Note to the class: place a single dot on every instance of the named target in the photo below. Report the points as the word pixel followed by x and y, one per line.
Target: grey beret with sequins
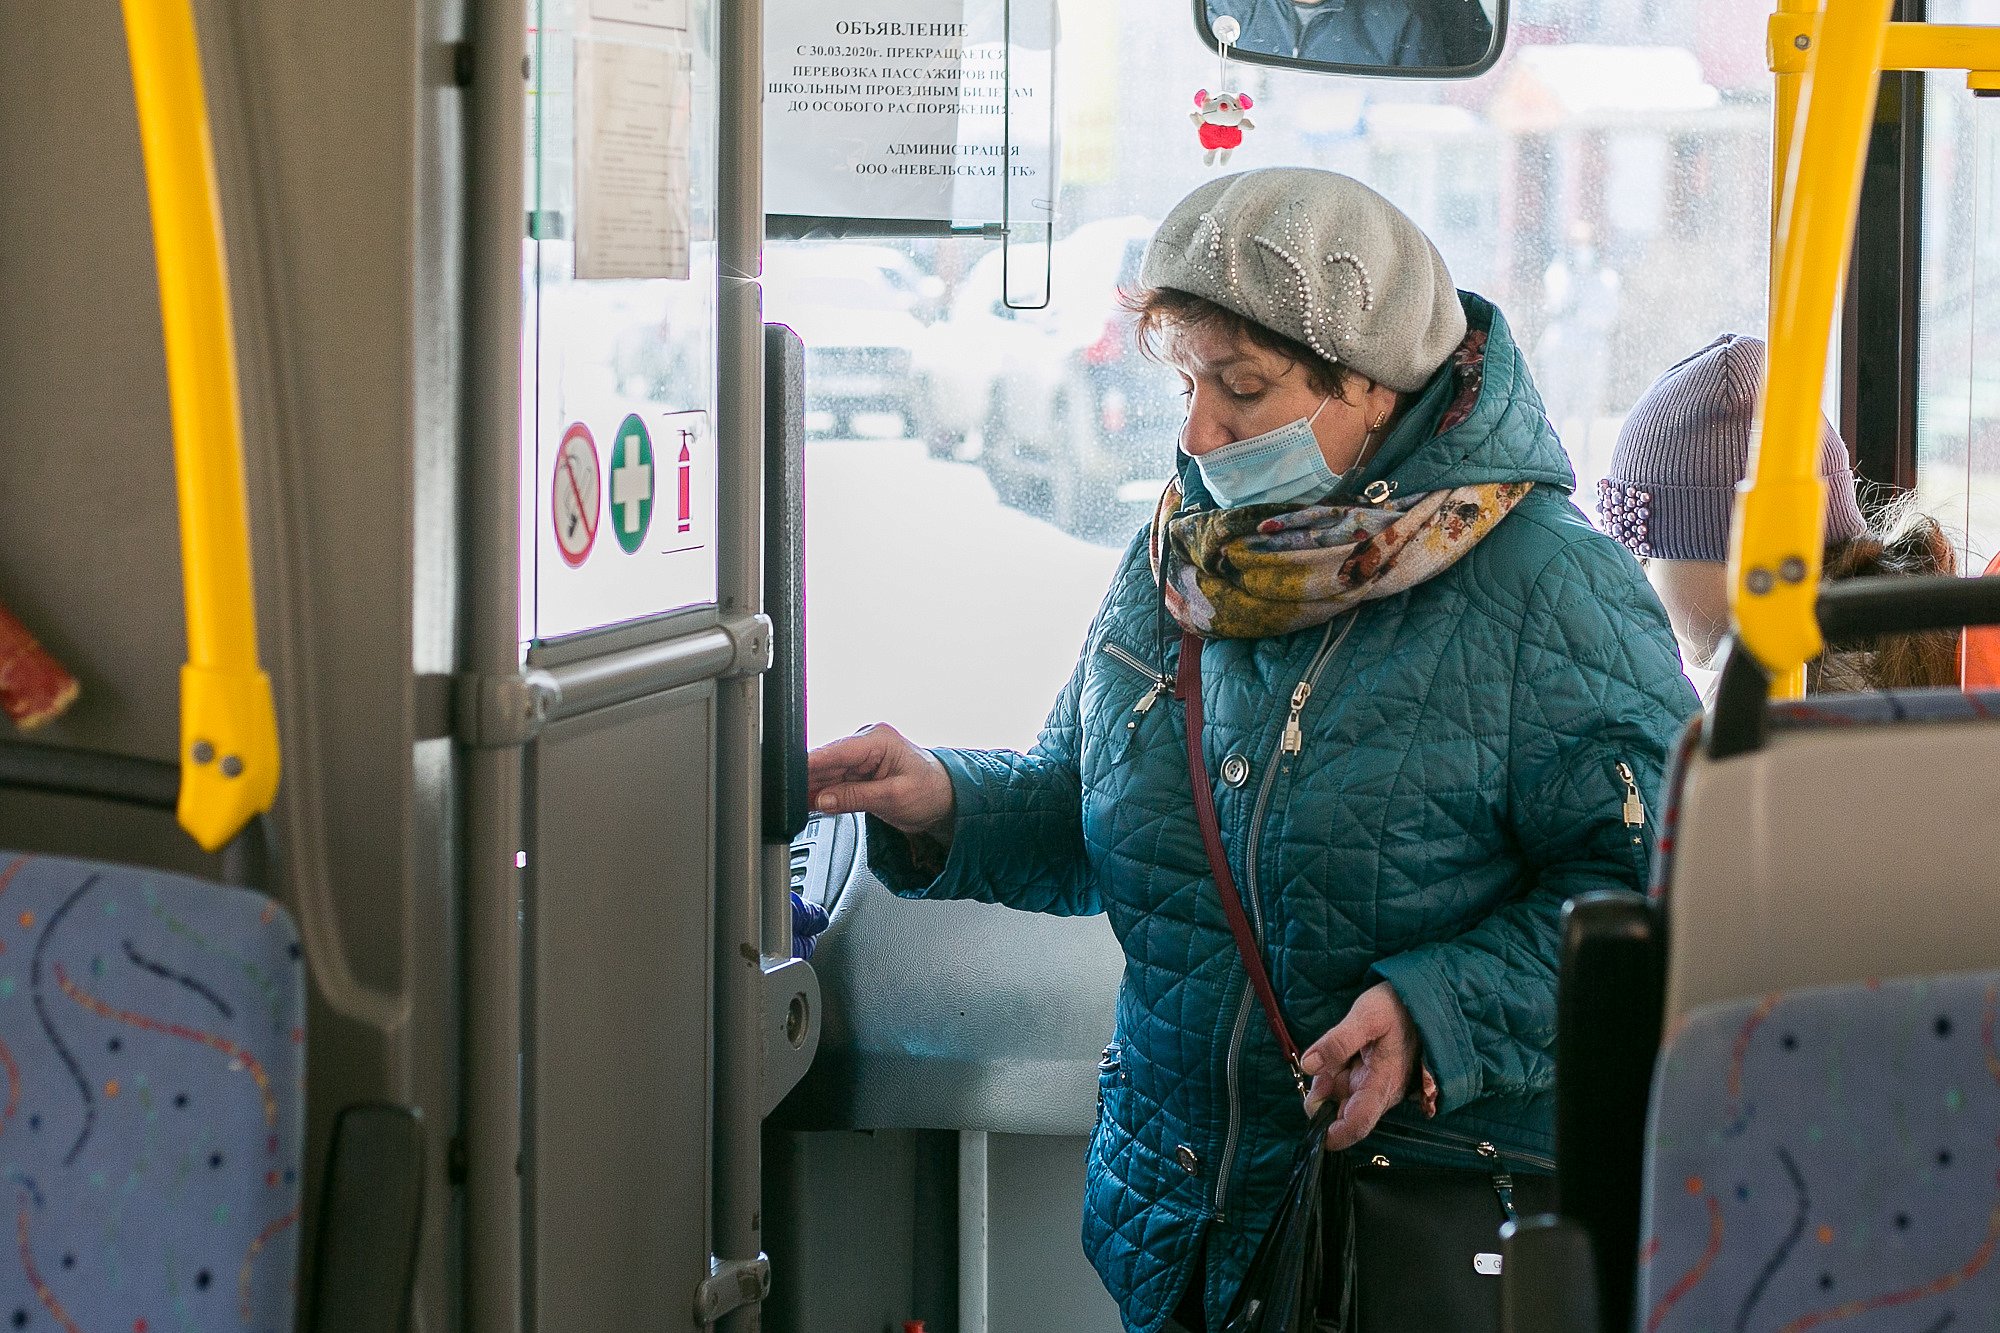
pixel 1322 259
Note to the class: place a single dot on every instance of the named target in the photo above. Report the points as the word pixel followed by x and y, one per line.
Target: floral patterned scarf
pixel 1263 570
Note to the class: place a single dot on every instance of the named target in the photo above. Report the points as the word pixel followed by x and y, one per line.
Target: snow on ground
pixel 931 605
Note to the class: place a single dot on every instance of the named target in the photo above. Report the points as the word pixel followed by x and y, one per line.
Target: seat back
pixel 1857 841
pixel 152 1049
pixel 1827 1157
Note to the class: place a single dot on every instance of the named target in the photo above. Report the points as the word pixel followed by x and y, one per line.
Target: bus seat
pixel 1826 1155
pixel 1806 849
pixel 1845 846
pixel 152 1049
pixel 947 1015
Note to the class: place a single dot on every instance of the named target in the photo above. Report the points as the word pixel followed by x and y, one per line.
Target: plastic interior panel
pixel 93 564
pixel 1848 847
pixel 353 354
pixel 621 928
pixel 371 1205
pixel 955 1015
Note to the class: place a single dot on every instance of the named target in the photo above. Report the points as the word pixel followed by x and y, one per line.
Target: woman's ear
pixel 1376 401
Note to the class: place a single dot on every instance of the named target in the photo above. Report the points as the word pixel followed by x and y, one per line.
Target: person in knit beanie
pixel 1671 492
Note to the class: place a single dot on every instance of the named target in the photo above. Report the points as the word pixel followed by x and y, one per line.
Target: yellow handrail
pixel 229 730
pixel 1776 541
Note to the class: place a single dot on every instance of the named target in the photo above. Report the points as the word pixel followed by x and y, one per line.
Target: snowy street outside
pixel 932 606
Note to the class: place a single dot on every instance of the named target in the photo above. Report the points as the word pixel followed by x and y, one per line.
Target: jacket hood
pixel 1507 436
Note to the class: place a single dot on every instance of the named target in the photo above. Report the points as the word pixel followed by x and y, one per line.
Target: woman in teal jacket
pixel 1438 704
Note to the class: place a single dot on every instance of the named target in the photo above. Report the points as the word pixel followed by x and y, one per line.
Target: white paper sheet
pixel 898 108
pixel 633 111
pixel 648 13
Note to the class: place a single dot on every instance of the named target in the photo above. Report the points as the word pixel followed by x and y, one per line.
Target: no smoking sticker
pixel 632 484
pixel 575 504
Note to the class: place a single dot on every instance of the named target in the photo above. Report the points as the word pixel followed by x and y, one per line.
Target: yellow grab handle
pixel 1777 538
pixel 229 728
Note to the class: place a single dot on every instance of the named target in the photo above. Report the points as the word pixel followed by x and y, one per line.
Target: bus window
pixel 1607 184
pixel 1958 402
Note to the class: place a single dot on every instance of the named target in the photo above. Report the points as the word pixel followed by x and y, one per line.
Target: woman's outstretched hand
pixel 877 772
pixel 1366 1063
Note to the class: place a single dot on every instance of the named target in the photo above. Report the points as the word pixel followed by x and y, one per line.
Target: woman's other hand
pixel 1366 1063
pixel 878 772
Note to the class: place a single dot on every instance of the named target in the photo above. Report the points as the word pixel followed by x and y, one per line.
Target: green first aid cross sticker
pixel 632 484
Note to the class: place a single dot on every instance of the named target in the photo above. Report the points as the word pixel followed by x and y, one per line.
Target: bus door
pixel 616 962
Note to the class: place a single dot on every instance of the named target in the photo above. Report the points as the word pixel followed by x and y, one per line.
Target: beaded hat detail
pixel 1321 259
pixel 1673 475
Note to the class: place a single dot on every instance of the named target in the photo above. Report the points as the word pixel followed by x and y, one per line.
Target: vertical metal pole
pixel 739 851
pixel 974 1236
pixel 1784 124
pixel 1776 544
pixel 496 113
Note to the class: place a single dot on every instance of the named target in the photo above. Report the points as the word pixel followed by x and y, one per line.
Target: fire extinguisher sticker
pixel 628 520
pixel 687 481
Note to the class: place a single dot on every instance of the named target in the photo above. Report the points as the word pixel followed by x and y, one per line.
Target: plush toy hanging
pixel 1219 117
pixel 34 688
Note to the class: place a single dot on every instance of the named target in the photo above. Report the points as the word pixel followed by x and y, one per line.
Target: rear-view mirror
pixel 1429 39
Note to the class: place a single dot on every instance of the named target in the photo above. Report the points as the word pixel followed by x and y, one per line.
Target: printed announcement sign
pixel 901 108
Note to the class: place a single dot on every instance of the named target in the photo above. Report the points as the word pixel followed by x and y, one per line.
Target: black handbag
pixel 1421 1244
pixel 1362 1242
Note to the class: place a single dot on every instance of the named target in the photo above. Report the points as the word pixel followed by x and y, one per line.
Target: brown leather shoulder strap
pixel 1187 687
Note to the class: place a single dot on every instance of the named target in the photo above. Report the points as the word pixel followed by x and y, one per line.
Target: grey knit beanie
pixel 1672 483
pixel 1320 258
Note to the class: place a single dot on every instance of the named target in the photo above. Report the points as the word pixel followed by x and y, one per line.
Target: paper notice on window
pixel 646 13
pixel 634 106
pixel 900 109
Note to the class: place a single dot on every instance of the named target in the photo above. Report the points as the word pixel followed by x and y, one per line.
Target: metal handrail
pixel 1828 57
pixel 1775 545
pixel 229 731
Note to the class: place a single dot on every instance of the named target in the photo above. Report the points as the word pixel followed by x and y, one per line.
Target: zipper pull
pixel 1161 688
pixel 1634 811
pixel 1295 736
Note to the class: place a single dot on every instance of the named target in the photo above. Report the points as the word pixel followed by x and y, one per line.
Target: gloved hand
pixel 808 920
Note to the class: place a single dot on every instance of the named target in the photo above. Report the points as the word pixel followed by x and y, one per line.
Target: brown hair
pixel 1163 312
pixel 1901 540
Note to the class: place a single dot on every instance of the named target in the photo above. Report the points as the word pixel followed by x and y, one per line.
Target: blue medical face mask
pixel 1282 466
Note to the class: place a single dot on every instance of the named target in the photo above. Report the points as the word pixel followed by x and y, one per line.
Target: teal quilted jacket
pixel 1470 748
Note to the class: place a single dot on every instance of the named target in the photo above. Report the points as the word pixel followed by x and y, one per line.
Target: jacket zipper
pixel 1329 644
pixel 1484 1148
pixel 1634 809
pixel 1162 684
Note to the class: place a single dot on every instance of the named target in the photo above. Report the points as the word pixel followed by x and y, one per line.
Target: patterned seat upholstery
pixel 1826 1158
pixel 153 1057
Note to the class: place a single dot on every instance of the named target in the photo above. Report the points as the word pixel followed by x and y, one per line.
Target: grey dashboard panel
pixel 948 1015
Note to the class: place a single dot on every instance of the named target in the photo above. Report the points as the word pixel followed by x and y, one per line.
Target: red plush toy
pixel 34 688
pixel 1220 122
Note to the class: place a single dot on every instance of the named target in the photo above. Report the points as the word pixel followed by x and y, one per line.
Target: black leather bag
pixel 1362 1243
pixel 1417 1248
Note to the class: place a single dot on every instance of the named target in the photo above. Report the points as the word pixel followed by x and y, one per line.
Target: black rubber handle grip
pixel 785 811
pixel 1858 608
pixel 123 779
pixel 90 774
